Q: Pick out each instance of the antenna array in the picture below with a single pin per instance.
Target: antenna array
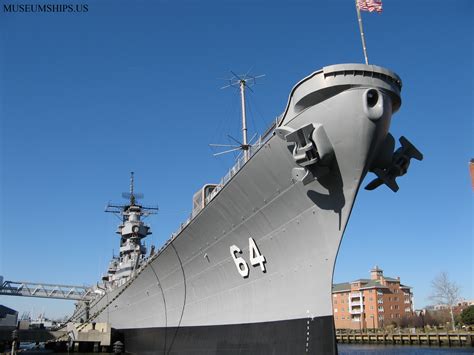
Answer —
(242, 82)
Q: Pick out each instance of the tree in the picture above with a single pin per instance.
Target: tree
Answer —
(467, 315)
(418, 321)
(404, 322)
(445, 292)
(429, 319)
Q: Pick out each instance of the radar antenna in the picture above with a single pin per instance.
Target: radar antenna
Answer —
(121, 209)
(242, 82)
(132, 196)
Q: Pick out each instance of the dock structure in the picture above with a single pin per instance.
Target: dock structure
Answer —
(8, 335)
(76, 337)
(430, 339)
(90, 333)
(43, 290)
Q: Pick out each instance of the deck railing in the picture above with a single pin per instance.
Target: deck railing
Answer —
(254, 148)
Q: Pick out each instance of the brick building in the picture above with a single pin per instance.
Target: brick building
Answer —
(458, 308)
(371, 303)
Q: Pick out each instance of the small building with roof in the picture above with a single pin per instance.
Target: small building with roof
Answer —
(371, 303)
(8, 317)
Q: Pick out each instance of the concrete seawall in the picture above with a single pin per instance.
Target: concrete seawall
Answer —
(435, 339)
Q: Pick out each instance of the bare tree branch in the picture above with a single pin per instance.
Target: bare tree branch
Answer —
(445, 292)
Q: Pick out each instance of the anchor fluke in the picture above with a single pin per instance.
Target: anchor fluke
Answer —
(374, 184)
(382, 178)
(410, 150)
(398, 167)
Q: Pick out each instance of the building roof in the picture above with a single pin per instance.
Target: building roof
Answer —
(372, 284)
(360, 280)
(346, 286)
(5, 310)
(365, 283)
(368, 283)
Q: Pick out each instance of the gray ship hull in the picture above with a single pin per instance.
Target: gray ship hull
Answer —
(191, 296)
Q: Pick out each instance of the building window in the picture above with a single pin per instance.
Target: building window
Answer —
(371, 307)
(335, 310)
(389, 299)
(371, 299)
(335, 302)
(396, 306)
(380, 308)
(342, 309)
(335, 317)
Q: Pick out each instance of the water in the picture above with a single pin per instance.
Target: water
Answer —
(362, 349)
(33, 349)
(351, 349)
(344, 349)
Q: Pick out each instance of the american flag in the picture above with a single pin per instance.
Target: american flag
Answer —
(370, 5)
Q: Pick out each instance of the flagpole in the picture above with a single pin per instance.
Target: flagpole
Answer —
(361, 29)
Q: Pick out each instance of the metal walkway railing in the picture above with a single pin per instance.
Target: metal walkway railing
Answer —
(31, 289)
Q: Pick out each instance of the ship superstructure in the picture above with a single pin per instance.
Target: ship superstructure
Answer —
(132, 230)
(251, 270)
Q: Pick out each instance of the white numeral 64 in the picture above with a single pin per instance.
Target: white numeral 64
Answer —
(256, 258)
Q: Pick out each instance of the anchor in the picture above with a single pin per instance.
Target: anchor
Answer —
(398, 166)
(312, 151)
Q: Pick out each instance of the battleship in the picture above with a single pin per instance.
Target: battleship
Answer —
(251, 270)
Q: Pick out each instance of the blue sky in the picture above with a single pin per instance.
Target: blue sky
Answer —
(135, 85)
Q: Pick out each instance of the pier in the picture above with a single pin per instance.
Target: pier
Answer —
(79, 337)
(430, 339)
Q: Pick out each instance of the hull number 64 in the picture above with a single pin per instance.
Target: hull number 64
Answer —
(256, 258)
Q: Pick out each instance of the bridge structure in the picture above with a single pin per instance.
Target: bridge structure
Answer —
(43, 290)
